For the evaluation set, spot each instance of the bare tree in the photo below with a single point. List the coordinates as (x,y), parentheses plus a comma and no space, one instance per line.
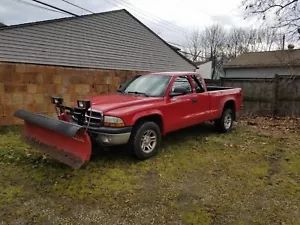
(213,44)
(237,42)
(283,13)
(268,38)
(217,45)
(193,45)
(245,40)
(213,41)
(264,39)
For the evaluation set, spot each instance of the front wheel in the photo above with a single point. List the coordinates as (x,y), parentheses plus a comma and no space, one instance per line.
(145,140)
(225,123)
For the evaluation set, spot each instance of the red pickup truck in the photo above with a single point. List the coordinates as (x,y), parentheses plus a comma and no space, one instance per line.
(143,110)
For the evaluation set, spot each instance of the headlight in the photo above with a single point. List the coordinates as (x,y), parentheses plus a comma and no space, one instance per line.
(111,121)
(84,104)
(57,100)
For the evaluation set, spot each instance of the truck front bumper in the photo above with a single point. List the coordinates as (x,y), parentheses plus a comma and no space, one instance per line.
(110,136)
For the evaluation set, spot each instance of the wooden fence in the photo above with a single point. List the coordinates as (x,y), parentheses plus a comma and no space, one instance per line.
(278,96)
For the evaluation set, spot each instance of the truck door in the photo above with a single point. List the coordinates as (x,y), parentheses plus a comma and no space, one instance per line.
(181,107)
(201,101)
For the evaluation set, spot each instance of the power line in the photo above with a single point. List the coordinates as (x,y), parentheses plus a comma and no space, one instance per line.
(159,23)
(147,14)
(73,4)
(167,26)
(54,7)
(38,6)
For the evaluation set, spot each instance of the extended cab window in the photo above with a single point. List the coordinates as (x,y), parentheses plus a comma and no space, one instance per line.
(198,84)
(182,82)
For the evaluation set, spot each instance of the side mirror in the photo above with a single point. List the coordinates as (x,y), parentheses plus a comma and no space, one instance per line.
(179,91)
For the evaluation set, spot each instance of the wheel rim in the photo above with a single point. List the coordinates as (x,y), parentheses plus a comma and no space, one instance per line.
(148,141)
(227,121)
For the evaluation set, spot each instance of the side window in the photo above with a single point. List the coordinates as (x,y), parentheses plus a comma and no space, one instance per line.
(182,82)
(198,84)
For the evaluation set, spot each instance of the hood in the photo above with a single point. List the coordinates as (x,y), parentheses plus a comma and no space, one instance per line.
(105,103)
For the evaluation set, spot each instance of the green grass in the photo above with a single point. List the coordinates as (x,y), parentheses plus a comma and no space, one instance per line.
(248,176)
(197,216)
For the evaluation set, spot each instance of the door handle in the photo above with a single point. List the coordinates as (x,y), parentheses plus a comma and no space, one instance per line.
(194,100)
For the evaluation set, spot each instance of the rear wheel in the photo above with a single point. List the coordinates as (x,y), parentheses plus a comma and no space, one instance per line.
(145,140)
(225,123)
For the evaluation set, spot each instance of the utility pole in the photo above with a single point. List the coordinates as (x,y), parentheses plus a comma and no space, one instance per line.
(283,41)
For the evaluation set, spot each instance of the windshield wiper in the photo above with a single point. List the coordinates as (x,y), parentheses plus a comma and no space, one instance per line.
(137,93)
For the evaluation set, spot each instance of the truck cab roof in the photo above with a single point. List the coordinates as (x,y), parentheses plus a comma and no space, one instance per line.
(182,73)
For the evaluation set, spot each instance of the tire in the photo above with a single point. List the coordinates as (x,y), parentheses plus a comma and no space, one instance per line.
(145,140)
(225,123)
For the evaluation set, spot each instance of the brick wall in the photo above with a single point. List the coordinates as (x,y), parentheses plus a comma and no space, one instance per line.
(30,86)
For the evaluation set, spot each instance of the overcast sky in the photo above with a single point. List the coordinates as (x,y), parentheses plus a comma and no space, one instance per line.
(171,19)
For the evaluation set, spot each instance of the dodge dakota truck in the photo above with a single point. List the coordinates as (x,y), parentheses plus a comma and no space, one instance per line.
(142,110)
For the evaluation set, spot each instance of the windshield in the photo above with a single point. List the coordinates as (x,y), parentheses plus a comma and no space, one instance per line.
(148,85)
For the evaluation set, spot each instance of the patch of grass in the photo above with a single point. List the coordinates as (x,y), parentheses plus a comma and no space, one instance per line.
(6,129)
(96,183)
(9,193)
(292,164)
(248,176)
(292,188)
(14,150)
(259,171)
(197,216)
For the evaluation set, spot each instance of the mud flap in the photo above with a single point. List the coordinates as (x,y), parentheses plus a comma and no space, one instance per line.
(66,142)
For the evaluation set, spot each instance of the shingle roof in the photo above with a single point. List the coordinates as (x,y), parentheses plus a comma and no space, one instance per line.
(280,58)
(109,40)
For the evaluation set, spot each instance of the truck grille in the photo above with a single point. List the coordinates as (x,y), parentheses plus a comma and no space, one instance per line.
(94,118)
(91,118)
(76,114)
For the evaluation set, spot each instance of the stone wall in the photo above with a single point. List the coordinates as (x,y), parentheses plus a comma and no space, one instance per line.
(30,86)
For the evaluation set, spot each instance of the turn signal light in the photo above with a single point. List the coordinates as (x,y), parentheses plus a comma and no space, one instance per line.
(111,121)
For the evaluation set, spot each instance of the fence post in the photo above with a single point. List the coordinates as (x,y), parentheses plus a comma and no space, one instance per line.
(275,101)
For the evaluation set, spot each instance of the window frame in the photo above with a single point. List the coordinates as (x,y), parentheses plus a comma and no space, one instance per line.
(187,77)
(197,83)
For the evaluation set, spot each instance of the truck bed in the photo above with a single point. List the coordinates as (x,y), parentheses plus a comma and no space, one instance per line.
(217,88)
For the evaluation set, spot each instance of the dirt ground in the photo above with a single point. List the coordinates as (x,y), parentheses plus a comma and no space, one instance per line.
(249,176)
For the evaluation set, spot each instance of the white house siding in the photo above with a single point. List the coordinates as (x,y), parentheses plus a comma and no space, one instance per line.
(260,72)
(205,70)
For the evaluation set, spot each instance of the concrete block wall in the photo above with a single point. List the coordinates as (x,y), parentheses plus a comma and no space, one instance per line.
(30,86)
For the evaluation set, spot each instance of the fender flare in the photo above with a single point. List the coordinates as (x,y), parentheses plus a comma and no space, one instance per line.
(148,113)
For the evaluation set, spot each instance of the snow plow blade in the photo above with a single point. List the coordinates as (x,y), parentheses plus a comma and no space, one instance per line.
(66,142)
